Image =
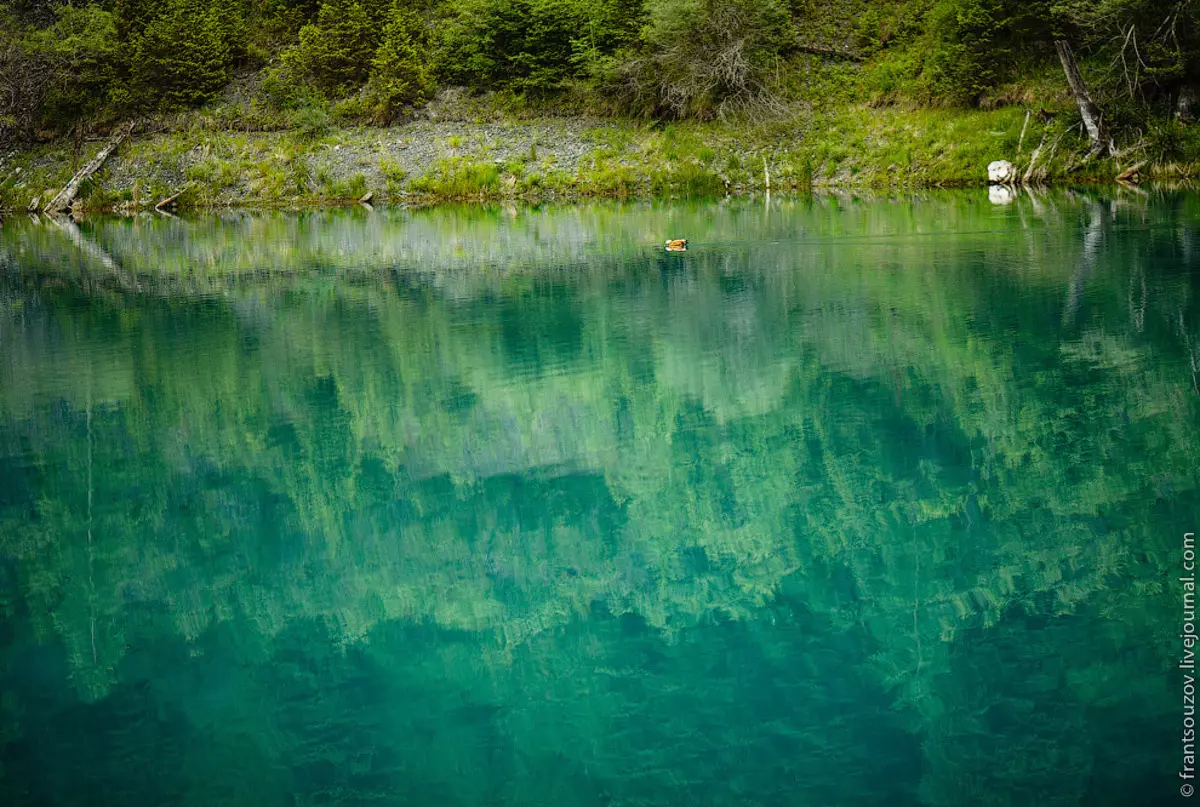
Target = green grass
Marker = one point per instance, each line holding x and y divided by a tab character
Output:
393	176
458	178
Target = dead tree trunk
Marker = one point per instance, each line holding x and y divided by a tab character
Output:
63	200
1102	145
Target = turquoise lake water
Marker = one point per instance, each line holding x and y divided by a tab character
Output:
856	502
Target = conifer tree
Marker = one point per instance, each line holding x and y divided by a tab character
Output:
400	73
182	56
335	51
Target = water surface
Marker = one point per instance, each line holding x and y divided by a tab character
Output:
855	502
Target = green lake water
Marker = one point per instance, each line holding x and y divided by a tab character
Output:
856	502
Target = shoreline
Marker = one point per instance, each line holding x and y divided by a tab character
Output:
414	203
548	159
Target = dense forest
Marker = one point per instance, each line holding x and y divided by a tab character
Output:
80	66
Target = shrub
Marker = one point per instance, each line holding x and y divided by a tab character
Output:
970	46
706	58
393	176
1169	140
26	77
312	121
83	45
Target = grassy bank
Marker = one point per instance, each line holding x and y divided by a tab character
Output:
473	153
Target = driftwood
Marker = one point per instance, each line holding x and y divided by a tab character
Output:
1102	144
67	195
168	202
1037	152
1132	173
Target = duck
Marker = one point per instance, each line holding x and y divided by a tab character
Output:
677	245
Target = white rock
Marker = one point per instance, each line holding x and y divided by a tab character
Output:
1001	171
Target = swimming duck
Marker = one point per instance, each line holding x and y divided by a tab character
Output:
677	245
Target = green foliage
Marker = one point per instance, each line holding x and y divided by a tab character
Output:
307	65
83	44
1152	46
532	45
231	23
183	57
393	176
958	64
1169	141
334	53
705	57
956	52
458	178
26	74
312	121
400	74
132	17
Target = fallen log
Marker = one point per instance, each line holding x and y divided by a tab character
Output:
1037	152
62	202
168	202
1132	173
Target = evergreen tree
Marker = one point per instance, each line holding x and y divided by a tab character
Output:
335	51
400	73
182	57
132	17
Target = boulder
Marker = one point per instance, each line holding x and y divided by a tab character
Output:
1001	172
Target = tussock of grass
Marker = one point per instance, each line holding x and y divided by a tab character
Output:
458	178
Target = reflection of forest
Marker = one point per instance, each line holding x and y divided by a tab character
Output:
490	423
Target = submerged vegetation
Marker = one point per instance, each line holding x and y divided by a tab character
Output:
916	92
